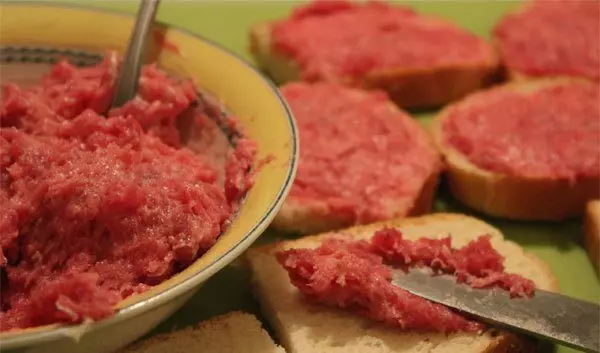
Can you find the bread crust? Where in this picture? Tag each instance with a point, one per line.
(499, 341)
(235, 331)
(295, 218)
(592, 233)
(407, 88)
(509, 73)
(431, 88)
(509, 196)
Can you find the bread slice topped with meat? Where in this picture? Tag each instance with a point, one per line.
(332, 293)
(420, 60)
(551, 38)
(526, 150)
(361, 160)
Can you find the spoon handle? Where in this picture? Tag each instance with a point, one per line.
(128, 77)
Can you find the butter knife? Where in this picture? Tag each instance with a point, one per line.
(558, 318)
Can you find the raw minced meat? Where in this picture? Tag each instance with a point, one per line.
(356, 275)
(361, 159)
(552, 132)
(333, 40)
(547, 38)
(96, 209)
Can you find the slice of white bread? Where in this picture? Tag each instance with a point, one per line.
(592, 232)
(510, 196)
(308, 328)
(313, 215)
(235, 332)
(407, 88)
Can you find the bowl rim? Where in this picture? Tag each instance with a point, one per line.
(16, 340)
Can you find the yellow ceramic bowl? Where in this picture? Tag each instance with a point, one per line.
(245, 93)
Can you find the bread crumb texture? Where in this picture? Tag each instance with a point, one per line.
(235, 332)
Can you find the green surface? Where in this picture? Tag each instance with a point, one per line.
(227, 22)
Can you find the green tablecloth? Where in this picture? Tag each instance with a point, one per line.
(227, 23)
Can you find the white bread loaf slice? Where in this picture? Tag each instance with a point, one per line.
(406, 87)
(235, 332)
(307, 328)
(509, 196)
(592, 232)
(314, 214)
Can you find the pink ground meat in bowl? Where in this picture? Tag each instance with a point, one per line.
(99, 204)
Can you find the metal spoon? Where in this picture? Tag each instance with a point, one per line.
(127, 80)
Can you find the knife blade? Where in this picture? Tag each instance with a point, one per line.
(565, 320)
